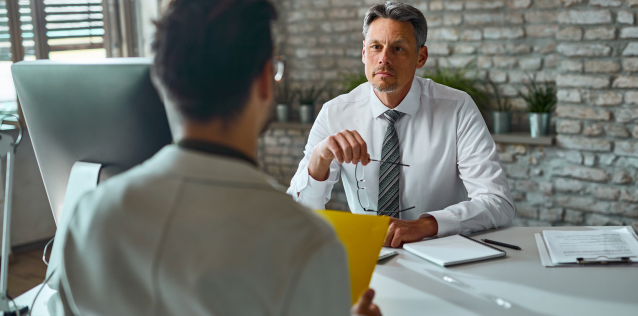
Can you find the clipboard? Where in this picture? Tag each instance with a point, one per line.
(363, 237)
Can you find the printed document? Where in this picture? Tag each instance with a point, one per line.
(595, 245)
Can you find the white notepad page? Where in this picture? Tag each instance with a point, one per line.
(452, 250)
(566, 246)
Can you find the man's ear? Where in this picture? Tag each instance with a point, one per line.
(265, 82)
(363, 52)
(422, 57)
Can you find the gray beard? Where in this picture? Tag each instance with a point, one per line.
(384, 89)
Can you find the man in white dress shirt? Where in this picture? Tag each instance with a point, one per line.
(197, 229)
(402, 119)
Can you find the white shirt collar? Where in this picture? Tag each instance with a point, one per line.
(409, 105)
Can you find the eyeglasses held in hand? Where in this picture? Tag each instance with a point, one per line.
(359, 173)
(279, 65)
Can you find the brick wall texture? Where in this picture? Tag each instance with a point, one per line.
(588, 47)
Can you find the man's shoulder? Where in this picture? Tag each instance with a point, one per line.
(435, 90)
(360, 94)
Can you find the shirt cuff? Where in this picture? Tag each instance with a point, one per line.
(314, 188)
(447, 222)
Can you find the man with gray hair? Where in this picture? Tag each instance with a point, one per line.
(405, 146)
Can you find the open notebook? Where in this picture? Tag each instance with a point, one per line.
(452, 250)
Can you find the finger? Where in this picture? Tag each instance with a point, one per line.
(389, 236)
(354, 144)
(366, 298)
(334, 147)
(345, 147)
(397, 238)
(365, 157)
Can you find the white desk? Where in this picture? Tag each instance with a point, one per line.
(515, 285)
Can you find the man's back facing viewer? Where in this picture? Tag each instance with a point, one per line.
(197, 229)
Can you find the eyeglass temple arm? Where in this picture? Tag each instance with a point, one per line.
(394, 163)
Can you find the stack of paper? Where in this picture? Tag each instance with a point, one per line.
(565, 247)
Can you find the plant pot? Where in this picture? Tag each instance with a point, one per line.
(501, 122)
(283, 113)
(306, 113)
(539, 124)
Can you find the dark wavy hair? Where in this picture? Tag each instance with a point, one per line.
(208, 53)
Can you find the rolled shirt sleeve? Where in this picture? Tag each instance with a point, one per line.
(304, 188)
(490, 205)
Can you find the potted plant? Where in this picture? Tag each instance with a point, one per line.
(307, 98)
(502, 114)
(284, 98)
(461, 79)
(540, 99)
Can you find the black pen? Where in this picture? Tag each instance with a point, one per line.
(501, 244)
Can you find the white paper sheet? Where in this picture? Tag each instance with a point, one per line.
(566, 246)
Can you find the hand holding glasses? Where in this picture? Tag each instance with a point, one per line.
(359, 172)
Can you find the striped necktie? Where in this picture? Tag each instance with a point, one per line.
(389, 173)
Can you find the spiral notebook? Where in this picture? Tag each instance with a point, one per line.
(453, 250)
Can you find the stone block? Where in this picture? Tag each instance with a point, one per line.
(584, 50)
(506, 157)
(629, 210)
(498, 76)
(526, 185)
(444, 34)
(601, 33)
(540, 199)
(544, 17)
(532, 63)
(519, 4)
(527, 212)
(566, 185)
(632, 3)
(551, 214)
(517, 149)
(625, 17)
(585, 173)
(569, 3)
(465, 49)
(630, 64)
(518, 48)
(342, 13)
(631, 97)
(606, 193)
(597, 220)
(550, 61)
(568, 95)
(483, 18)
(452, 19)
(505, 62)
(455, 62)
(484, 4)
(625, 82)
(627, 196)
(607, 159)
(581, 143)
(583, 203)
(518, 196)
(584, 81)
(584, 17)
(436, 6)
(514, 18)
(434, 20)
(605, 3)
(571, 66)
(571, 33)
(573, 217)
(441, 49)
(541, 30)
(503, 33)
(518, 171)
(634, 133)
(484, 62)
(491, 48)
(626, 115)
(629, 32)
(593, 130)
(585, 113)
(471, 35)
(568, 126)
(616, 130)
(547, 4)
(626, 148)
(453, 5)
(608, 98)
(571, 156)
(631, 49)
(589, 159)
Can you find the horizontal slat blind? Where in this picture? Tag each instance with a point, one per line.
(74, 24)
(5, 44)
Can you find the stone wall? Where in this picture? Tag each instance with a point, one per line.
(588, 47)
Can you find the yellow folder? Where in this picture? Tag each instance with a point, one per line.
(363, 237)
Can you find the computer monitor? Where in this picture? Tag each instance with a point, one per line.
(105, 112)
